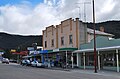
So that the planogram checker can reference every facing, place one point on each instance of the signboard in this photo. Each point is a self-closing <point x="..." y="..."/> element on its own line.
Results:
<point x="44" y="51"/>
<point x="30" y="48"/>
<point x="13" y="50"/>
<point x="31" y="52"/>
<point x="55" y="50"/>
<point x="34" y="52"/>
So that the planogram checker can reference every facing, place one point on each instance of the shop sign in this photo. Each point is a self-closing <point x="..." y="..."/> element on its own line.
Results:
<point x="55" y="50"/>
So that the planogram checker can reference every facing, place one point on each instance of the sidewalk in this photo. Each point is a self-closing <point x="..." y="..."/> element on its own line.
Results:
<point x="59" y="68"/>
<point x="99" y="72"/>
<point x="89" y="71"/>
<point x="14" y="64"/>
<point x="86" y="71"/>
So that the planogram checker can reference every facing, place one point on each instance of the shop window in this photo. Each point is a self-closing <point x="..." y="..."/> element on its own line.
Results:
<point x="109" y="59"/>
<point x="45" y="44"/>
<point x="52" y="42"/>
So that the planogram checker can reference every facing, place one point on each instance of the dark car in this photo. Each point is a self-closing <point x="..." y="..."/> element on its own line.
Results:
<point x="13" y="61"/>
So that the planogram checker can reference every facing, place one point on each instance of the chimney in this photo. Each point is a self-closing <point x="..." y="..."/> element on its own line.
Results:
<point x="102" y="29"/>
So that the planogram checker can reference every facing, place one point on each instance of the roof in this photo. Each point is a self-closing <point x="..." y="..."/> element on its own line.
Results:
<point x="26" y="56"/>
<point x="98" y="49"/>
<point x="91" y="31"/>
<point x="21" y="53"/>
<point x="43" y="51"/>
<point x="102" y="43"/>
<point x="1" y="50"/>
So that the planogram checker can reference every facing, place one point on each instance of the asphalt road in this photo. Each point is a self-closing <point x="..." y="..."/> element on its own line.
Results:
<point x="12" y="71"/>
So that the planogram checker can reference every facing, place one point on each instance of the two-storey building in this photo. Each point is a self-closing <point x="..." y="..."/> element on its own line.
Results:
<point x="62" y="39"/>
<point x="65" y="35"/>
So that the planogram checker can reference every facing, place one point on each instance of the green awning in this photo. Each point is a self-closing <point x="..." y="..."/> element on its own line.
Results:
<point x="68" y="49"/>
<point x="101" y="42"/>
<point x="62" y="49"/>
<point x="1" y="50"/>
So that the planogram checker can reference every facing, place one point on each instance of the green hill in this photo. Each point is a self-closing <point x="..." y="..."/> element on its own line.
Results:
<point x="112" y="27"/>
<point x="9" y="41"/>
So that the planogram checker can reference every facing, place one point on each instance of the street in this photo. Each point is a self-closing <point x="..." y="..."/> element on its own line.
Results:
<point x="12" y="71"/>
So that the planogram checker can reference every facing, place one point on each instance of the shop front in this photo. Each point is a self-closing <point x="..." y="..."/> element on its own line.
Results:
<point x="59" y="57"/>
<point x="108" y="53"/>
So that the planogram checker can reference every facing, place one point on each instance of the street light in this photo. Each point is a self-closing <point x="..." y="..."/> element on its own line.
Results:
<point x="95" y="56"/>
<point x="18" y="56"/>
<point x="35" y="49"/>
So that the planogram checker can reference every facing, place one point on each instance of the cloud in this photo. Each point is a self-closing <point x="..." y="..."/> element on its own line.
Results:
<point x="107" y="10"/>
<point x="22" y="19"/>
<point x="28" y="20"/>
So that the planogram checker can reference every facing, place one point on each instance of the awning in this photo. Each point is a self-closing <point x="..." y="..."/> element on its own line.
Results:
<point x="21" y="53"/>
<point x="62" y="49"/>
<point x="43" y="51"/>
<point x="26" y="56"/>
<point x="97" y="49"/>
<point x="102" y="44"/>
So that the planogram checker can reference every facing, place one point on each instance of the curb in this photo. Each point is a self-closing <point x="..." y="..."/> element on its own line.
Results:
<point x="58" y="69"/>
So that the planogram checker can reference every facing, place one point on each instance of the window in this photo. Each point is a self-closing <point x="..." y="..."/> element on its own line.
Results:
<point x="52" y="42"/>
<point x="62" y="40"/>
<point x="45" y="44"/>
<point x="70" y="39"/>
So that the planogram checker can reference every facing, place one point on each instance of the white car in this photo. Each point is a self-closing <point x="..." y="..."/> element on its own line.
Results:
<point x="33" y="63"/>
<point x="26" y="62"/>
<point x="37" y="64"/>
<point x="5" y="60"/>
<point x="40" y="64"/>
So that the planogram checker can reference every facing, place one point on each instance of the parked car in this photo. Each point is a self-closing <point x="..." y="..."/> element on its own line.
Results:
<point x="46" y="64"/>
<point x="13" y="61"/>
<point x="34" y="64"/>
<point x="37" y="64"/>
<point x="5" y="60"/>
<point x="40" y="64"/>
<point x="26" y="62"/>
<point x="23" y="62"/>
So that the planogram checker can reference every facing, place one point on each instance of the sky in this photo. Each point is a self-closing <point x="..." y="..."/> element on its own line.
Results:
<point x="30" y="17"/>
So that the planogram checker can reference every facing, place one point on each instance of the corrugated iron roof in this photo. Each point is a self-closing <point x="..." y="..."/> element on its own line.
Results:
<point x="91" y="31"/>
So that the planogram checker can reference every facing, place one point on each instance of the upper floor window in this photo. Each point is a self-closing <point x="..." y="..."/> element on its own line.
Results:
<point x="52" y="42"/>
<point x="70" y="39"/>
<point x="62" y="40"/>
<point x="45" y="44"/>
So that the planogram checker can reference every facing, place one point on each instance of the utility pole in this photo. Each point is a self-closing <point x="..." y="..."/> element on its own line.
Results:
<point x="18" y="56"/>
<point x="35" y="49"/>
<point x="95" y="56"/>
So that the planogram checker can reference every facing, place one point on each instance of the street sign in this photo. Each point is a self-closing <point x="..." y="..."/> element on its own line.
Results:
<point x="55" y="50"/>
<point x="30" y="48"/>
